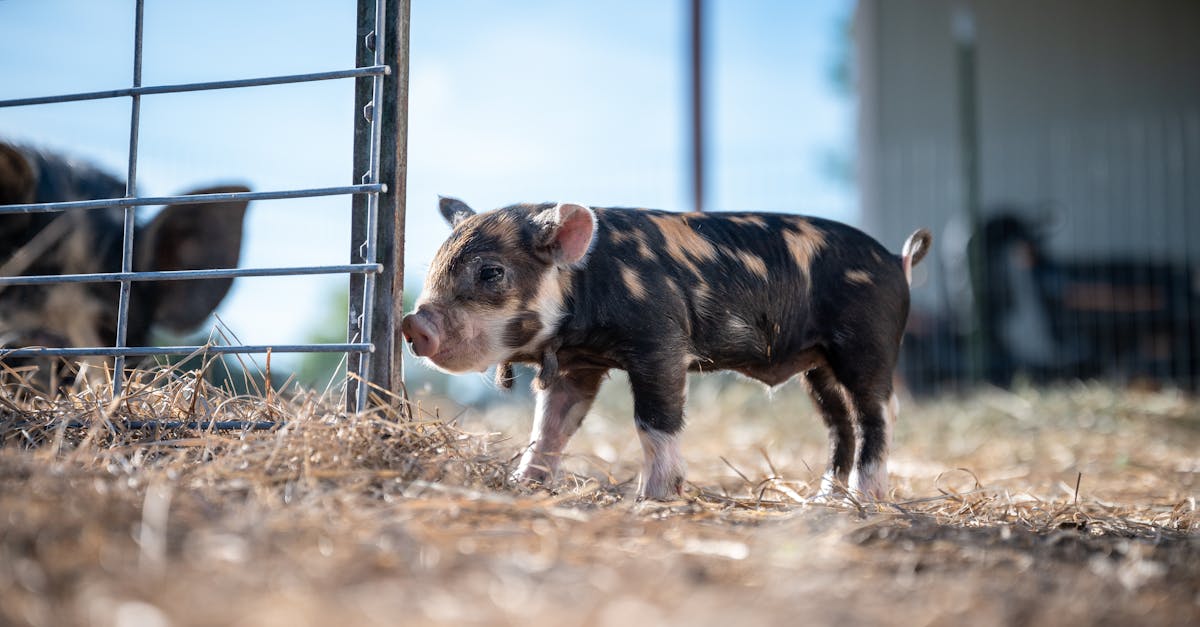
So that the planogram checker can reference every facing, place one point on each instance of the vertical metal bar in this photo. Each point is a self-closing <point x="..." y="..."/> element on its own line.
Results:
<point x="363" y="90"/>
<point x="380" y="141"/>
<point x="387" y="361"/>
<point x="130" y="192"/>
<point x="696" y="43"/>
<point x="964" y="30"/>
<point x="1189" y="167"/>
<point x="370" y="243"/>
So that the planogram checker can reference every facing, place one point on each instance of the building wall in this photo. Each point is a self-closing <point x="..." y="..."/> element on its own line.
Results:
<point x="1089" y="120"/>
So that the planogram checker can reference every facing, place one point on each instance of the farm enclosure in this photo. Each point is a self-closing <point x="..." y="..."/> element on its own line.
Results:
<point x="1069" y="505"/>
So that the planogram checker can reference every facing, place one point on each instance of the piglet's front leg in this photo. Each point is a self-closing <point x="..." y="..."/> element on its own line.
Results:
<point x="559" y="410"/>
<point x="658" y="399"/>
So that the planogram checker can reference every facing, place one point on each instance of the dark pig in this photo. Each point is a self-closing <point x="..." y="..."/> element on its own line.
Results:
<point x="183" y="237"/>
<point x="578" y="291"/>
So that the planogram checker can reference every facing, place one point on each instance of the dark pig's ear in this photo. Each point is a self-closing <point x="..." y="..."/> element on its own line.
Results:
<point x="16" y="177"/>
<point x="191" y="237"/>
<point x="17" y="187"/>
<point x="568" y="232"/>
<point x="454" y="210"/>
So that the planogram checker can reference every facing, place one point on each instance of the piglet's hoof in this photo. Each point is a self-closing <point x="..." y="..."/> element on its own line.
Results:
<point x="832" y="491"/>
<point x="664" y="489"/>
<point x="825" y="498"/>
<point x="869" y="485"/>
<point x="531" y="476"/>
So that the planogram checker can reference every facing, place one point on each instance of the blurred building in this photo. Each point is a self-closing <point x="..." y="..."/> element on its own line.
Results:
<point x="1083" y="118"/>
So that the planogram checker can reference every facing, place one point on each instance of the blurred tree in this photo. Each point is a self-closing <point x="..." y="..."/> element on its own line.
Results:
<point x="317" y="370"/>
<point x="840" y="71"/>
<point x="838" y="162"/>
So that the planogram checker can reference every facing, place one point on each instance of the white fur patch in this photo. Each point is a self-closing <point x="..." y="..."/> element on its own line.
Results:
<point x="548" y="303"/>
<point x="871" y="483"/>
<point x="664" y="469"/>
<point x="829" y="486"/>
<point x="891" y="414"/>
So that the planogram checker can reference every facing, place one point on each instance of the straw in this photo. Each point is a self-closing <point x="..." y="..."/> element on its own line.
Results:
<point x="1078" y="508"/>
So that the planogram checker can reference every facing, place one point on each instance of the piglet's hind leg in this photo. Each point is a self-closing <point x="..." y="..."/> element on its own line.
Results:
<point x="831" y="403"/>
<point x="863" y="364"/>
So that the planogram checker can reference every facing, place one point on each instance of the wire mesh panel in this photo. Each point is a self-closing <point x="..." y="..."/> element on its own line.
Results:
<point x="1056" y="161"/>
<point x="375" y="270"/>
<point x="1094" y="274"/>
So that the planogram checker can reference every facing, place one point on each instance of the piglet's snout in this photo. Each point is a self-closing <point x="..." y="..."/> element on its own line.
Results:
<point x="421" y="333"/>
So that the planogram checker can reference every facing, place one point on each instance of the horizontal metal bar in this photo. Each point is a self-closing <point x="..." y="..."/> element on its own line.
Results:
<point x="219" y="425"/>
<point x="216" y="425"/>
<point x="130" y="351"/>
<point x="192" y="199"/>
<point x="373" y="70"/>
<point x="182" y="275"/>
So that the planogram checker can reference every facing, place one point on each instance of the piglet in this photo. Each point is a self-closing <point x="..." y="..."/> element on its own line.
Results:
<point x="578" y="291"/>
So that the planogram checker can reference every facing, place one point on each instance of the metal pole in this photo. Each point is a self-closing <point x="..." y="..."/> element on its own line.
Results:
<point x="190" y="199"/>
<point x="387" y="361"/>
<point x="369" y="245"/>
<point x="964" y="31"/>
<point x="130" y="192"/>
<point x="697" y="102"/>
<point x="200" y="86"/>
<point x="364" y="55"/>
<point x="380" y="139"/>
<point x="215" y="349"/>
<point x="184" y="275"/>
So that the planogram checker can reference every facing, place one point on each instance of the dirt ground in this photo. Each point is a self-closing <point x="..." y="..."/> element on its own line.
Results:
<point x="1072" y="506"/>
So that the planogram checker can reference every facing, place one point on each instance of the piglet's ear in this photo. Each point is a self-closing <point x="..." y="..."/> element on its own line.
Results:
<point x="571" y="230"/>
<point x="454" y="210"/>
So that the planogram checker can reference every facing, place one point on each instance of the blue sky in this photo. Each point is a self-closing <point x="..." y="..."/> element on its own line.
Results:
<point x="510" y="101"/>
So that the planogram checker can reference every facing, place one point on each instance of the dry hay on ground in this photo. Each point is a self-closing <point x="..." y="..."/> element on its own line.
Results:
<point x="372" y="519"/>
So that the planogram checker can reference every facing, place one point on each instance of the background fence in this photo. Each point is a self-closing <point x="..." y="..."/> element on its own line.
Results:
<point x="1055" y="151"/>
<point x="1088" y="271"/>
<point x="376" y="272"/>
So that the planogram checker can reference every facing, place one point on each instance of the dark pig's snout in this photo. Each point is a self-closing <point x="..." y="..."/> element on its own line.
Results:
<point x="421" y="333"/>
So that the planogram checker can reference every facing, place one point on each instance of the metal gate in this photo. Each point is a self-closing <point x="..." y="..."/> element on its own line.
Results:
<point x="377" y="232"/>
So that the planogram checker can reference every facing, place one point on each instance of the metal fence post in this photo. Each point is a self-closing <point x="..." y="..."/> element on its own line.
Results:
<point x="964" y="27"/>
<point x="358" y="206"/>
<point x="387" y="368"/>
<point x="696" y="92"/>
<point x="383" y="294"/>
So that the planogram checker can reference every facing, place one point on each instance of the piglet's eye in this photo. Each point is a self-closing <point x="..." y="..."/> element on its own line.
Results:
<point x="489" y="274"/>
